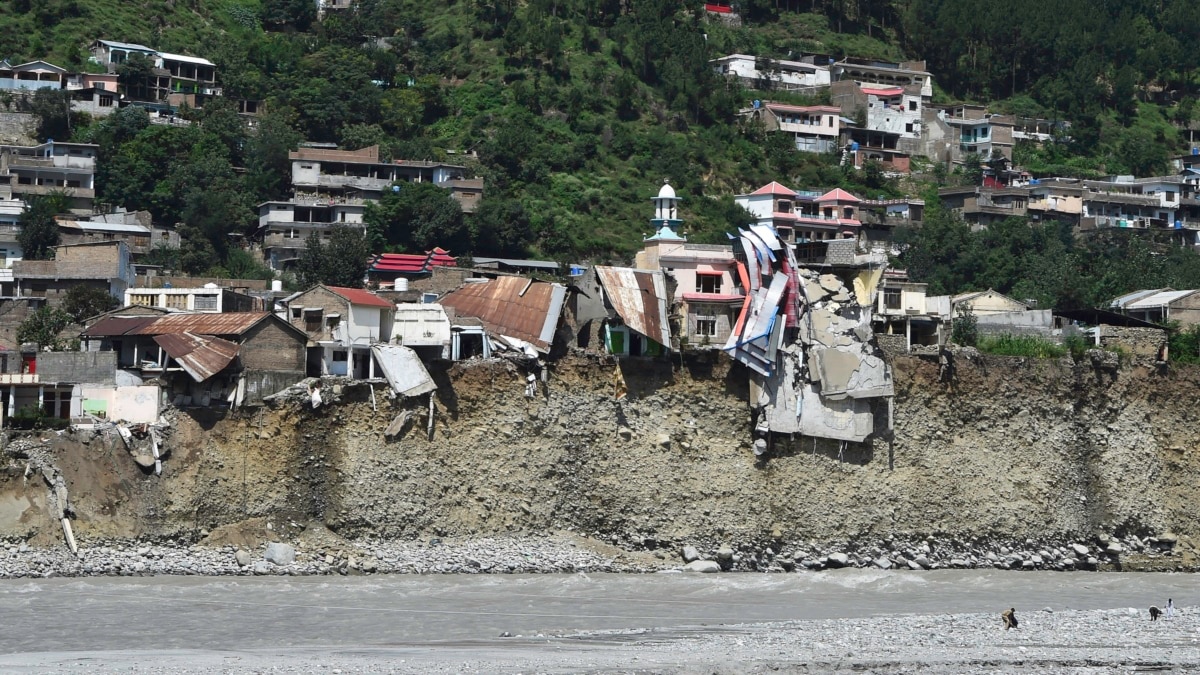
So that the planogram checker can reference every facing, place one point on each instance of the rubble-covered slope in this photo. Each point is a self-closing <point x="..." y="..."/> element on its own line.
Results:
<point x="997" y="448"/>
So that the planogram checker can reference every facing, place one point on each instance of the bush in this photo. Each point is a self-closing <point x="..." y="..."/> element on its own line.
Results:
<point x="33" y="417"/>
<point x="1021" y="345"/>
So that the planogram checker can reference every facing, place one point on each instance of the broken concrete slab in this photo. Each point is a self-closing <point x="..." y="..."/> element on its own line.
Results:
<point x="831" y="283"/>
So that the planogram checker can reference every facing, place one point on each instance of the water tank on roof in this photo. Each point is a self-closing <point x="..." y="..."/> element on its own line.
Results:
<point x="757" y="104"/>
<point x="401" y="284"/>
<point x="277" y="285"/>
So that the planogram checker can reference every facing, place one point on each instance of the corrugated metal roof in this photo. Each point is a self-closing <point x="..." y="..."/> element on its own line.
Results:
<point x="639" y="298"/>
<point x="358" y="296"/>
<point x="115" y="326"/>
<point x="232" y="323"/>
<point x="1160" y="299"/>
<point x="202" y="356"/>
<point x="1122" y="301"/>
<point x="514" y="306"/>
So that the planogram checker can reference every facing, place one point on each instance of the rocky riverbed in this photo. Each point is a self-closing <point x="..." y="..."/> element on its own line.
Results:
<point x="317" y="551"/>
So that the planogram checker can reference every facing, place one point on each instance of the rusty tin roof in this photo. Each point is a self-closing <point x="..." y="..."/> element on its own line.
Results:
<point x="512" y="306"/>
<point x="640" y="298"/>
<point x="202" y="356"/>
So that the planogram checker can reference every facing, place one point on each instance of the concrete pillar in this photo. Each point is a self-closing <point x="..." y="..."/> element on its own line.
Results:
<point x="370" y="364"/>
<point x="12" y="400"/>
<point x="908" y="334"/>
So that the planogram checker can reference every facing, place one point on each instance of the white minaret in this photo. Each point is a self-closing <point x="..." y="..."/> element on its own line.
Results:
<point x="666" y="215"/>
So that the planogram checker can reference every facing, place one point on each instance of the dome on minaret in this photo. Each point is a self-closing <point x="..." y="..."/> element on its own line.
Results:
<point x="667" y="192"/>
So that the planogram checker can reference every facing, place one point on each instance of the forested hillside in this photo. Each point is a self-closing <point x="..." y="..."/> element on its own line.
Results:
<point x="574" y="111"/>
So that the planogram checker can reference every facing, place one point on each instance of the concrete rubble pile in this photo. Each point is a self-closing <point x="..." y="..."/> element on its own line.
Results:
<point x="808" y="342"/>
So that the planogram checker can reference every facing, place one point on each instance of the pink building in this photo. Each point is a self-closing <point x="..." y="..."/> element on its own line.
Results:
<point x="707" y="293"/>
<point x="803" y="216"/>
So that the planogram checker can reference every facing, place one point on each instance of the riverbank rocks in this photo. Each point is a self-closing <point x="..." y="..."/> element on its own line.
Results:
<point x="689" y="554"/>
<point x="702" y="566"/>
<point x="242" y="557"/>
<point x="837" y="560"/>
<point x="280" y="554"/>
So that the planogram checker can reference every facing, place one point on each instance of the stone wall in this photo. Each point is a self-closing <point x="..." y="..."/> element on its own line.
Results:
<point x="1144" y="342"/>
<point x="892" y="345"/>
<point x="17" y="128"/>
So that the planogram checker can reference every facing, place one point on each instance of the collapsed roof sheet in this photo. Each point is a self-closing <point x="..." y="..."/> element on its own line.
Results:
<point x="639" y="298"/>
<point x="115" y="326"/>
<point x="514" y="306"/>
<point x="230" y="323"/>
<point x="403" y="370"/>
<point x="201" y="356"/>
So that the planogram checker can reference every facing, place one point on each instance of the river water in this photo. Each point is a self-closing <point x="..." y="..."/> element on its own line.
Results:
<point x="281" y="615"/>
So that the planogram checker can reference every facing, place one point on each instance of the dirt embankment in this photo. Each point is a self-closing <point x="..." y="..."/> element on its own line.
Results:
<point x="1003" y="449"/>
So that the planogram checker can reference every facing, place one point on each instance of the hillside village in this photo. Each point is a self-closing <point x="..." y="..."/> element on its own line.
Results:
<point x="807" y="295"/>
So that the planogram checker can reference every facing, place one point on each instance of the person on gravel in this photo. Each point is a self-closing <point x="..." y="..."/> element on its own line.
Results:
<point x="1009" y="616"/>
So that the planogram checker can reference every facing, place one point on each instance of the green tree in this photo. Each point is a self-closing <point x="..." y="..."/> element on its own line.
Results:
<point x="965" y="328"/>
<point x="44" y="327"/>
<point x="82" y="302"/>
<point x="39" y="230"/>
<point x="419" y="216"/>
<point x="52" y="110"/>
<point x="341" y="262"/>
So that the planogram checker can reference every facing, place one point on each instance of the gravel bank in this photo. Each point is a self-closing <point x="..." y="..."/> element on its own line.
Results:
<point x="473" y="556"/>
<point x="1078" y="642"/>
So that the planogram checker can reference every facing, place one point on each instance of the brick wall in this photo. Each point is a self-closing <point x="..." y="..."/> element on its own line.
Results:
<point x="271" y="346"/>
<point x="12" y="313"/>
<point x="329" y="303"/>
<point x="99" y="262"/>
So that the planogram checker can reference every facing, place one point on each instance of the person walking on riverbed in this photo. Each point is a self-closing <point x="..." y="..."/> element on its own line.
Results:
<point x="1170" y="608"/>
<point x="1009" y="616"/>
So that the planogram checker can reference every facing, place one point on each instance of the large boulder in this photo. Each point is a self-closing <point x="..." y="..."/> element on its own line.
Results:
<point x="702" y="566"/>
<point x="280" y="554"/>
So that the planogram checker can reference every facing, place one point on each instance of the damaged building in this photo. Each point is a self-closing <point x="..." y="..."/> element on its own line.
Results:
<point x="621" y="311"/>
<point x="807" y="339"/>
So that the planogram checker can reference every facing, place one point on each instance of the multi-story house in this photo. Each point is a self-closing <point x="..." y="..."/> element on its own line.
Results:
<point x="813" y="128"/>
<point x="766" y="74"/>
<point x="209" y="298"/>
<point x="804" y="217"/>
<point x="341" y="324"/>
<point x="981" y="205"/>
<point x="49" y="167"/>
<point x="176" y="79"/>
<point x="869" y="73"/>
<point x="978" y="132"/>
<point x="331" y="187"/>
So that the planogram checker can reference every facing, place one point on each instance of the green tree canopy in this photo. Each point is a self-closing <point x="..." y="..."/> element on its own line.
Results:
<point x="342" y="261"/>
<point x="39" y="230"/>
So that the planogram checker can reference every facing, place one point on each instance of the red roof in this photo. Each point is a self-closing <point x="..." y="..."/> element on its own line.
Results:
<point x="774" y="188"/>
<point x="838" y="195"/>
<point x="719" y="9"/>
<point x="358" y="296"/>
<point x="890" y="91"/>
<point x="412" y="263"/>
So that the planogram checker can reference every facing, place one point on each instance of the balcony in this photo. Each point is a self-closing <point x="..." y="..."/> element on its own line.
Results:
<point x="82" y="193"/>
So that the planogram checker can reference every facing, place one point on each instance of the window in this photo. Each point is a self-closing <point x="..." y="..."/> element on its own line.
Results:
<point x="142" y="299"/>
<point x="339" y="357"/>
<point x="332" y="321"/>
<point x="784" y="206"/>
<point x="891" y="298"/>
<point x="912" y="105"/>
<point x="708" y="283"/>
<point x="106" y="101"/>
<point x="175" y="301"/>
<point x="1170" y="195"/>
<point x="706" y="325"/>
<point x="206" y="303"/>
<point x="295" y="312"/>
<point x="312" y="320"/>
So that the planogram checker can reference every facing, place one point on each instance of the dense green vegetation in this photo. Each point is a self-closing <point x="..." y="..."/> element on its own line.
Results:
<point x="574" y="111"/>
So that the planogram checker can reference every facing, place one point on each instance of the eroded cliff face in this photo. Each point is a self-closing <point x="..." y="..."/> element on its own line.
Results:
<point x="994" y="448"/>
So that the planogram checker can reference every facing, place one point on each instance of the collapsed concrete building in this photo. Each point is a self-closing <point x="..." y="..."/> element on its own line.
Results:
<point x="806" y="337"/>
